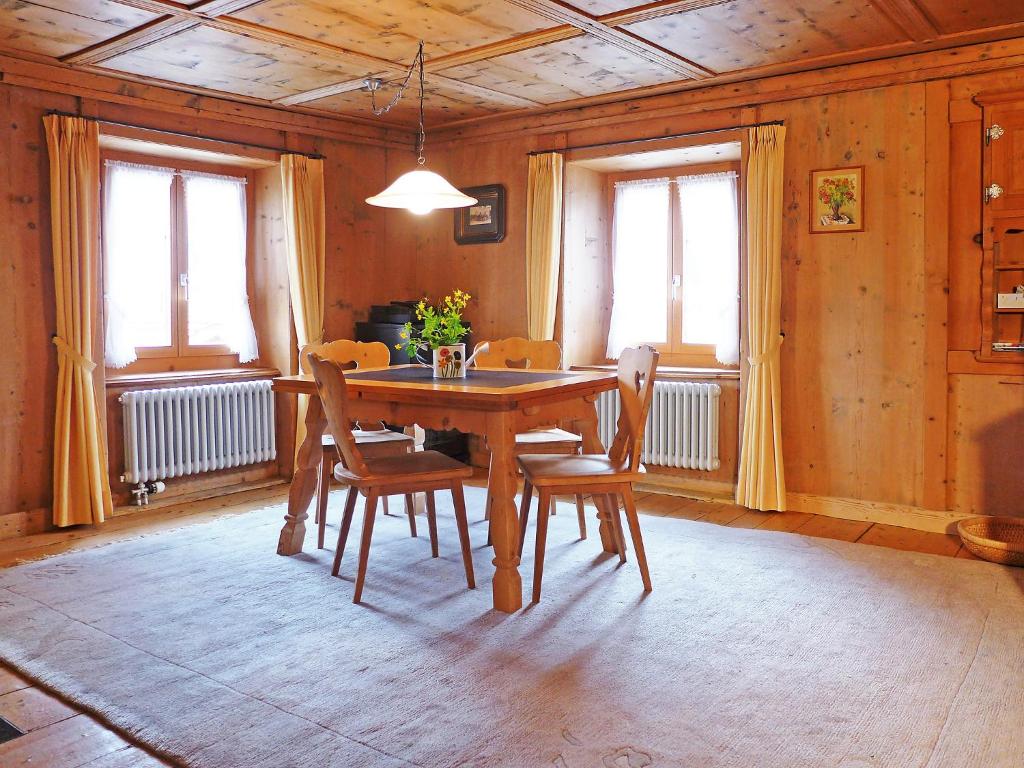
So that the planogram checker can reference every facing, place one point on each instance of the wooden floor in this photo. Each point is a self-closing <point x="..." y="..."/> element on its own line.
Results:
<point x="59" y="736"/>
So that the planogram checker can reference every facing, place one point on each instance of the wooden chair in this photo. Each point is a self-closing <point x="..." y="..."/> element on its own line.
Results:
<point x="610" y="475"/>
<point x="408" y="473"/>
<point x="517" y="352"/>
<point x="372" y="442"/>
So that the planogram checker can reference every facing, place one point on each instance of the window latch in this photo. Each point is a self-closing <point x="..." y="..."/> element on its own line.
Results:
<point x="183" y="282"/>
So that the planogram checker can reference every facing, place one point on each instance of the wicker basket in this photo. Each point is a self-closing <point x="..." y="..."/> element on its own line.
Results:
<point x="999" y="539"/>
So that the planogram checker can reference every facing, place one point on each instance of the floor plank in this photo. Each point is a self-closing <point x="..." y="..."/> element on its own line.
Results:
<point x="823" y="527"/>
<point x="129" y="757"/>
<point x="661" y="505"/>
<point x="10" y="681"/>
<point x="751" y="518"/>
<point x="31" y="709"/>
<point x="73" y="742"/>
<point x="724" y="514"/>
<point x="910" y="540"/>
<point x="785" y="521"/>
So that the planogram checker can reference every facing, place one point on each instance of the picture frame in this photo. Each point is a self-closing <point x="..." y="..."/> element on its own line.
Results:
<point x="483" y="222"/>
<point x="836" y="200"/>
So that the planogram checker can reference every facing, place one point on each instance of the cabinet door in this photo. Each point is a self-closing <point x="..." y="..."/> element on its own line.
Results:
<point x="1004" y="156"/>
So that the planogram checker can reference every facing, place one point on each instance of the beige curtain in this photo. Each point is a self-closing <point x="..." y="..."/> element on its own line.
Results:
<point x="81" y="490"/>
<point x="761" y="482"/>
<point x="302" y="179"/>
<point x="543" y="243"/>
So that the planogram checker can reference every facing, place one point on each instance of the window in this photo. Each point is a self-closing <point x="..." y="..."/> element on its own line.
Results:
<point x="175" y="277"/>
<point x="675" y="251"/>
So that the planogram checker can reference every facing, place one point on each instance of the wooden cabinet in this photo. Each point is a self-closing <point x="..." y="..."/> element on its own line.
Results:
<point x="1002" y="328"/>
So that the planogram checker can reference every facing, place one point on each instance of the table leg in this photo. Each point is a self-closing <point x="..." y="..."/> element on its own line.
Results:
<point x="304" y="480"/>
<point x="504" y="524"/>
<point x="592" y="444"/>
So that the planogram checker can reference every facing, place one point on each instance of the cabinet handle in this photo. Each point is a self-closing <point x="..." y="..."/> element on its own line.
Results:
<point x="992" y="191"/>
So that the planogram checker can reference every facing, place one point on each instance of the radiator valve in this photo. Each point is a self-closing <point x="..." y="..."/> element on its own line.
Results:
<point x="143" y="491"/>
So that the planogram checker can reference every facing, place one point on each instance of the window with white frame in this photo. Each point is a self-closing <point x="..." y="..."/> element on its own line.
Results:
<point x="175" y="264"/>
<point x="675" y="251"/>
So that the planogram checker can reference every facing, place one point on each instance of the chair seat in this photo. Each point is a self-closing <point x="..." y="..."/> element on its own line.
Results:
<point x="543" y="469"/>
<point x="540" y="437"/>
<point x="407" y="469"/>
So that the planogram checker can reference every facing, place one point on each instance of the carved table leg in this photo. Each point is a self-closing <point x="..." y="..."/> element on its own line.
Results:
<point x="504" y="525"/>
<point x="304" y="481"/>
<point x="592" y="444"/>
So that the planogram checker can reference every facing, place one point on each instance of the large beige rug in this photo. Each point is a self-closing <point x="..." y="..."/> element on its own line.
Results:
<point x="756" y="649"/>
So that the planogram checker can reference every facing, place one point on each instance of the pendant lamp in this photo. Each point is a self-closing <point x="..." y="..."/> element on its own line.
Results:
<point x="420" y="191"/>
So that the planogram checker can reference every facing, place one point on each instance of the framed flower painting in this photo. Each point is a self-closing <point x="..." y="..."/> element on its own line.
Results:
<point x="837" y="200"/>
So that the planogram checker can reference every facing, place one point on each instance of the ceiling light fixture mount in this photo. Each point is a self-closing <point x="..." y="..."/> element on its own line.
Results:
<point x="419" y="191"/>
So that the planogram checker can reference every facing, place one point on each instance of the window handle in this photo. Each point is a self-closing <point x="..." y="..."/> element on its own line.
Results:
<point x="677" y="280"/>
<point x="183" y="282"/>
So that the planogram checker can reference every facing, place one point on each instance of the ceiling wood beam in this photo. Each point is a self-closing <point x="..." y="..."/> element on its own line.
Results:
<point x="908" y="17"/>
<point x="563" y="13"/>
<point x="177" y="19"/>
<point x="656" y="10"/>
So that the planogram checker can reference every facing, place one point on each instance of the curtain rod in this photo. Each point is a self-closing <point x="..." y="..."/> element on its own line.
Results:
<point x="657" y="138"/>
<point x="281" y="150"/>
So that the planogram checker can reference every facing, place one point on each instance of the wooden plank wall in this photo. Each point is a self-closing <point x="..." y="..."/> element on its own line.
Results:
<point x="358" y="271"/>
<point x="865" y="384"/>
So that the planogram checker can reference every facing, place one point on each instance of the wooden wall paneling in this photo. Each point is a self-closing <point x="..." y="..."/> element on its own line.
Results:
<point x="931" y="492"/>
<point x="987" y="422"/>
<point x="965" y="255"/>
<point x="854" y="304"/>
<point x="440" y="105"/>
<point x="27" y="311"/>
<point x="587" y="268"/>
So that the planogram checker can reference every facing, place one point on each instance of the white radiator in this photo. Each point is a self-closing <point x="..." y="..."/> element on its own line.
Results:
<point x="682" y="426"/>
<point x="187" y="430"/>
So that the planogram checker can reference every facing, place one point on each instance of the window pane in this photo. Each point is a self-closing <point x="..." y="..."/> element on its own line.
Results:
<point x="137" y="244"/>
<point x="642" y="258"/>
<point x="710" y="263"/>
<point x="218" y="308"/>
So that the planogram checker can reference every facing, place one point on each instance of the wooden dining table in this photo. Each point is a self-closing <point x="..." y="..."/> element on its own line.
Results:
<point x="493" y="403"/>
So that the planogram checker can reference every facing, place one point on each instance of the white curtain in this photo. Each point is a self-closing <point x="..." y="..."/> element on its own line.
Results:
<point x="218" y="301"/>
<point x="137" y="270"/>
<point x="710" y="289"/>
<point x="642" y="257"/>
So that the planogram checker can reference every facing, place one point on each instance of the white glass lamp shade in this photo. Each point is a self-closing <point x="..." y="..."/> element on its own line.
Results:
<point x="421" y="192"/>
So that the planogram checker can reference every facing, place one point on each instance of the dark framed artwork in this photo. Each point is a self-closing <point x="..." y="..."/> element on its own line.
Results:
<point x="484" y="221"/>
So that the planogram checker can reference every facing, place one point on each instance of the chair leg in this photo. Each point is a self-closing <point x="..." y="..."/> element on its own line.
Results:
<point x="524" y="513"/>
<point x="543" y="513"/>
<point x="410" y="511"/>
<point x="638" y="539"/>
<point x="384" y="503"/>
<point x="346" y="523"/>
<point x="364" y="545"/>
<point x="432" y="523"/>
<point x="620" y="540"/>
<point x="581" y="515"/>
<point x="323" y="490"/>
<point x="459" y="501"/>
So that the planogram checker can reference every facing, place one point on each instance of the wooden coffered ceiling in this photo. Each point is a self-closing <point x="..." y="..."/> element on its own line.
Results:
<point x="483" y="57"/>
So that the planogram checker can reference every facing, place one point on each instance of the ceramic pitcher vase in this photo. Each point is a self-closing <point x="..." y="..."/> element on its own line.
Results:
<point x="450" y="361"/>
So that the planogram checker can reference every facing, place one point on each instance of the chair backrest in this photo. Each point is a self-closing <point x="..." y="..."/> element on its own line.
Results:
<point x="637" y="367"/>
<point x="358" y="354"/>
<point x="330" y="382"/>
<point x="517" y="352"/>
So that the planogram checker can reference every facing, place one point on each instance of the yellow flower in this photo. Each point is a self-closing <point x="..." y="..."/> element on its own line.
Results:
<point x="398" y="346"/>
<point x="403" y="335"/>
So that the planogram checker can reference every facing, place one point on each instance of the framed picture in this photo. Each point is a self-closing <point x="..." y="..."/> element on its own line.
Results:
<point x="837" y="200"/>
<point x="483" y="222"/>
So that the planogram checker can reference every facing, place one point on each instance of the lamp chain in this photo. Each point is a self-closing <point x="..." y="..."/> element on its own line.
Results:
<point x="421" y="136"/>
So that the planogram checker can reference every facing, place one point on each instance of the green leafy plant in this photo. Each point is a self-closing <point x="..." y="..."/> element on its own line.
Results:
<point x="442" y="324"/>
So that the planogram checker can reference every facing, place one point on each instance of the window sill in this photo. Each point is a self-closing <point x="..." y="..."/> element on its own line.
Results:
<point x="676" y="372"/>
<point x="187" y="378"/>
